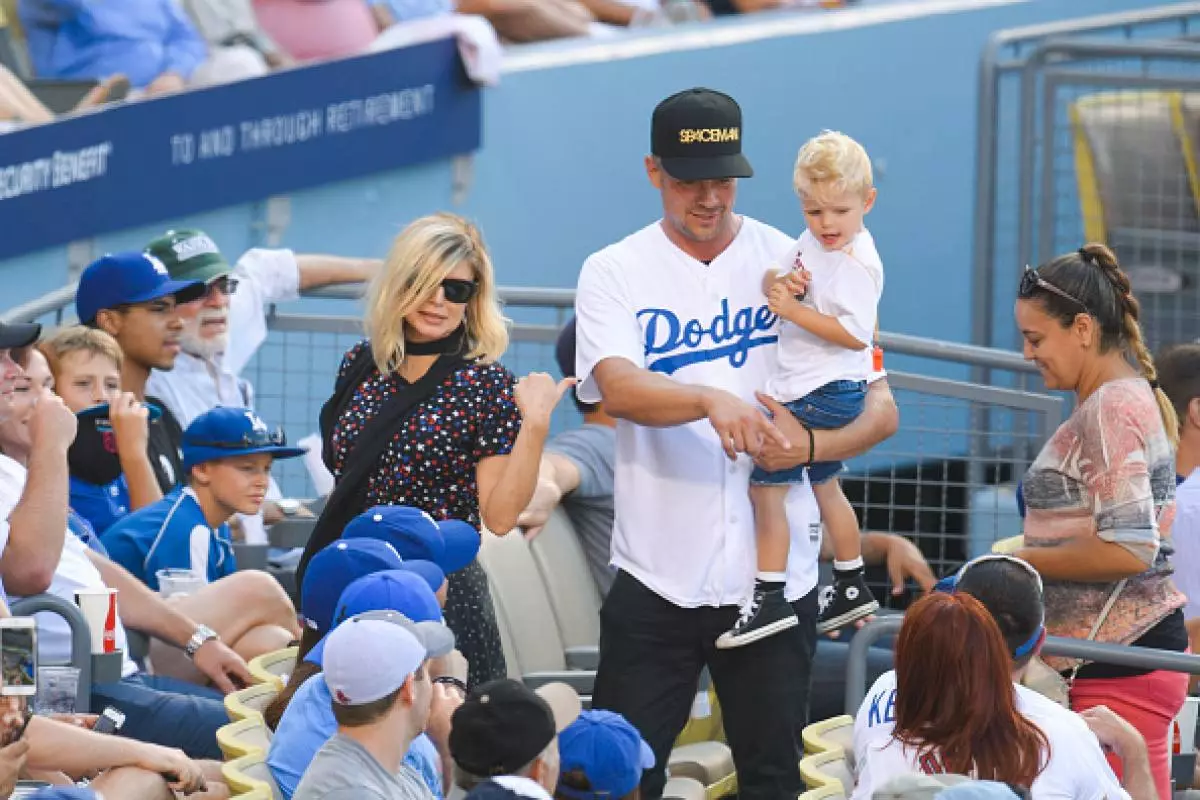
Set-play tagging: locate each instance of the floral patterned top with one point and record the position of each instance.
(1108, 471)
(430, 463)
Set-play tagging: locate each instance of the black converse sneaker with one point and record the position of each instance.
(766, 615)
(846, 601)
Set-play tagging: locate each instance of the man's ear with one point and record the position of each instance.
(1193, 413)
(654, 172)
(109, 320)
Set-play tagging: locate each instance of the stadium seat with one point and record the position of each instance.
(835, 733)
(568, 580)
(684, 789)
(274, 667)
(250, 702)
(830, 792)
(256, 794)
(535, 651)
(1009, 545)
(250, 774)
(710, 763)
(243, 738)
(828, 768)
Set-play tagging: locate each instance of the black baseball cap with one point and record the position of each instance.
(18, 334)
(697, 135)
(503, 725)
(564, 349)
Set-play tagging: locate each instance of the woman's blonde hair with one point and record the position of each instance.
(78, 339)
(420, 257)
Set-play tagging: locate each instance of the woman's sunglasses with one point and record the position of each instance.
(1031, 281)
(458, 290)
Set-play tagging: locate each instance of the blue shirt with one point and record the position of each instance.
(170, 533)
(308, 723)
(100, 505)
(141, 39)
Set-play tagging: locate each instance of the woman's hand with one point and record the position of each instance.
(536, 395)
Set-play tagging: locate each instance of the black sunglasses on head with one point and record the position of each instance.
(1031, 281)
(458, 290)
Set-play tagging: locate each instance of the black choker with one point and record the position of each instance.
(455, 343)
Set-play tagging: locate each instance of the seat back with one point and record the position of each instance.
(572, 590)
(250, 774)
(12, 41)
(826, 768)
(520, 596)
(830, 792)
(835, 733)
(249, 703)
(275, 667)
(243, 738)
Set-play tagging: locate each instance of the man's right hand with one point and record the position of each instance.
(741, 427)
(52, 423)
(130, 421)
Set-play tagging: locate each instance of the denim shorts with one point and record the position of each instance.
(834, 405)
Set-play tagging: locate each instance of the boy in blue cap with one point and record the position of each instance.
(227, 453)
(308, 721)
(601, 756)
(131, 297)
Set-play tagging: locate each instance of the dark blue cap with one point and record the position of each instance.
(429, 572)
(390, 590)
(333, 569)
(227, 431)
(608, 750)
(451, 544)
(118, 279)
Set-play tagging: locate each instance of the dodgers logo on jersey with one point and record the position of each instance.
(672, 344)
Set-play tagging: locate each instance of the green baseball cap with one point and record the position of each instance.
(190, 255)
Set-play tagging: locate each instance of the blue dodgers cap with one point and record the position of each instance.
(451, 545)
(391, 590)
(430, 572)
(228, 431)
(608, 750)
(334, 568)
(118, 279)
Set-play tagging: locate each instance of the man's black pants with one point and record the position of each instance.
(651, 656)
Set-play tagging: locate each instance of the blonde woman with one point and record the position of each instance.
(424, 415)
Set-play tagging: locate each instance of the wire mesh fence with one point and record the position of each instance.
(1068, 113)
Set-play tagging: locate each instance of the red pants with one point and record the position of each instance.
(1149, 703)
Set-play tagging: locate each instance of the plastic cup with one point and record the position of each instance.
(99, 607)
(57, 690)
(178, 582)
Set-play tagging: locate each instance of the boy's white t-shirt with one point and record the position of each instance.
(1075, 770)
(846, 284)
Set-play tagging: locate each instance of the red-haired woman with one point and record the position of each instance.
(954, 708)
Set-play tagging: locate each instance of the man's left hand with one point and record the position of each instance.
(773, 456)
(224, 668)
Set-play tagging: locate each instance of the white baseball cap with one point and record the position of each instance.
(371, 655)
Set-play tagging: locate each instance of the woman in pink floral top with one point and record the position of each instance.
(1100, 496)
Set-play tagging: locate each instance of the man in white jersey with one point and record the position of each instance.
(672, 325)
(1076, 769)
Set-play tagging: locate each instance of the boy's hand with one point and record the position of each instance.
(781, 300)
(797, 282)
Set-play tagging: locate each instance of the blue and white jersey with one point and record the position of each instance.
(100, 505)
(170, 534)
(684, 526)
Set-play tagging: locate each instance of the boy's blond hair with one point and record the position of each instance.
(832, 161)
(78, 339)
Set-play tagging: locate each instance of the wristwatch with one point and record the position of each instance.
(203, 634)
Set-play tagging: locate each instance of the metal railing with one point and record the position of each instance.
(1121, 655)
(1020, 139)
(945, 480)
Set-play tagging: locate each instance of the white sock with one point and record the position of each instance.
(772, 577)
(845, 566)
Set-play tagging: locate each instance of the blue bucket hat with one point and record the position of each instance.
(452, 544)
(118, 279)
(608, 750)
(334, 568)
(391, 590)
(227, 431)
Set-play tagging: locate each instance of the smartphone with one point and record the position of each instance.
(109, 721)
(18, 657)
